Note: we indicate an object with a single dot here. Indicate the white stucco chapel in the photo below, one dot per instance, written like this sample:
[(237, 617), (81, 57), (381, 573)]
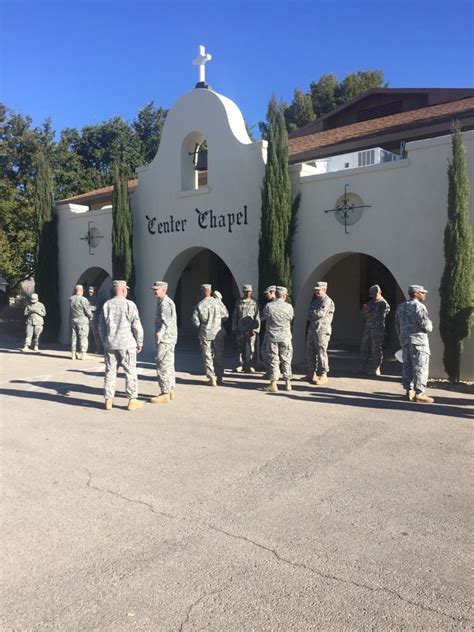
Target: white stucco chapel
[(194, 226)]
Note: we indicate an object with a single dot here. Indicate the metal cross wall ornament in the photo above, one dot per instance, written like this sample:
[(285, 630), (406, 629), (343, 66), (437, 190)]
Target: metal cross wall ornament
[(90, 236), (345, 209)]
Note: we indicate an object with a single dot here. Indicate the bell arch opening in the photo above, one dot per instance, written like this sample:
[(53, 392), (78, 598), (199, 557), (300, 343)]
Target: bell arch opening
[(98, 278)]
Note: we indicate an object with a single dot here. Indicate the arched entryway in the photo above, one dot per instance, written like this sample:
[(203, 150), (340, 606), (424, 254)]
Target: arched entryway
[(185, 275), (98, 278), (348, 275)]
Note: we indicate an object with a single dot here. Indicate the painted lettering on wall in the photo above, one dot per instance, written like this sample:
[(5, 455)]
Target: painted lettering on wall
[(207, 219)]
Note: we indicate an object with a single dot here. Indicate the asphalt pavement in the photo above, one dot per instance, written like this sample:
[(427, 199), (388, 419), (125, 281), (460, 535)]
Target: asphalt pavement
[(332, 508)]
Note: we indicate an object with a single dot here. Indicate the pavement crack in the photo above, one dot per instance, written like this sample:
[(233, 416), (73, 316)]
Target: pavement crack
[(335, 578), (185, 621), (129, 500)]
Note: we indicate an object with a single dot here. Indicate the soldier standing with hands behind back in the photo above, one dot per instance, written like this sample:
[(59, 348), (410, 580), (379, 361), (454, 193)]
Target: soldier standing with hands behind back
[(246, 325), (80, 316), (374, 313), (166, 332), (278, 316)]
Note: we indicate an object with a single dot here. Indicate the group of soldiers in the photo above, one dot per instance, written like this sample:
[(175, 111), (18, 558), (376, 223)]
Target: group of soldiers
[(117, 330)]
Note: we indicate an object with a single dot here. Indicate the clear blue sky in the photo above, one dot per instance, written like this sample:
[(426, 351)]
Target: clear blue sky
[(83, 61)]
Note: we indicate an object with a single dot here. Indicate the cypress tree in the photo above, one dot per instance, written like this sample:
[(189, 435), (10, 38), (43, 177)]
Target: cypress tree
[(274, 250), (456, 290), (122, 228), (46, 269)]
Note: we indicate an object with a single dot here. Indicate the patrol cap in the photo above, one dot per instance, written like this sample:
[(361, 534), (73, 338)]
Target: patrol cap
[(217, 294), (206, 286), (91, 287), (321, 285), (374, 289), (158, 284), (270, 288), (281, 290), (120, 283), (247, 288), (34, 298), (416, 288)]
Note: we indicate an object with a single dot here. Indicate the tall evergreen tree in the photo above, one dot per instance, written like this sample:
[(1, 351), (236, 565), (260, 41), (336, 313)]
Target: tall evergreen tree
[(122, 228), (300, 111), (46, 274), (456, 290), (274, 260)]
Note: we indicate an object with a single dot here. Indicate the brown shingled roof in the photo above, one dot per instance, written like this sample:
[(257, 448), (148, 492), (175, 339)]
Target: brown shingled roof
[(97, 194), (301, 145)]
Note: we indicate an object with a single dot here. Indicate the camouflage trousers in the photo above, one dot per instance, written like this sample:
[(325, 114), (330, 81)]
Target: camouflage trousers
[(33, 333), (371, 354), (80, 332), (127, 358), (317, 353), (279, 357), (94, 336), (212, 352), (165, 367), (416, 364), (246, 345)]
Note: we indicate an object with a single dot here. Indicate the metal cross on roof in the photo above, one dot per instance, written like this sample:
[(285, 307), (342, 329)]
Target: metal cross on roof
[(201, 61), (345, 209), (90, 236)]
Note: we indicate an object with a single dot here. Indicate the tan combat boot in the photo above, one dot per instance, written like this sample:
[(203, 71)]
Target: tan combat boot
[(109, 404), (80, 355), (73, 355), (410, 395), (423, 397), (314, 379), (239, 369), (272, 387), (322, 379), (378, 371), (134, 404), (25, 348), (161, 399), (212, 380), (172, 393), (36, 348), (288, 385)]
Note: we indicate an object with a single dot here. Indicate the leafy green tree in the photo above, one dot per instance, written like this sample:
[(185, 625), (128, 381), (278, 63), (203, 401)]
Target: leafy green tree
[(272, 109), (324, 94), (122, 229), (19, 143), (456, 290), (356, 83), (46, 272), (300, 112), (147, 127), (274, 261)]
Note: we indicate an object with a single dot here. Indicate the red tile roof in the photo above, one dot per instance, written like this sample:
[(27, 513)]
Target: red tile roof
[(304, 144), (105, 192)]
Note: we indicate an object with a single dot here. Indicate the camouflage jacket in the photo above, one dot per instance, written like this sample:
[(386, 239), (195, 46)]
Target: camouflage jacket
[(165, 320), (246, 316), (412, 324), (79, 308), (278, 315), (119, 325), (35, 313), (375, 314), (208, 316), (320, 315)]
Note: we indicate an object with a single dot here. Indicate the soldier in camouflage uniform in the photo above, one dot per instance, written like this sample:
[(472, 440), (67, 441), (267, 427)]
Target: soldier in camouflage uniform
[(35, 313), (121, 333), (94, 323), (166, 332), (278, 316), (80, 316), (413, 325), (246, 325), (320, 315), (269, 294), (207, 318), (374, 313)]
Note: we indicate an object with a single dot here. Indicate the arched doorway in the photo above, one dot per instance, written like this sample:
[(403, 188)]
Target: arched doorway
[(349, 275), (185, 275), (98, 278)]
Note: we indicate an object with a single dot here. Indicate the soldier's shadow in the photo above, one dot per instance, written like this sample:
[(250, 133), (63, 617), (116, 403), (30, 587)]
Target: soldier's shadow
[(446, 406), (61, 392)]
